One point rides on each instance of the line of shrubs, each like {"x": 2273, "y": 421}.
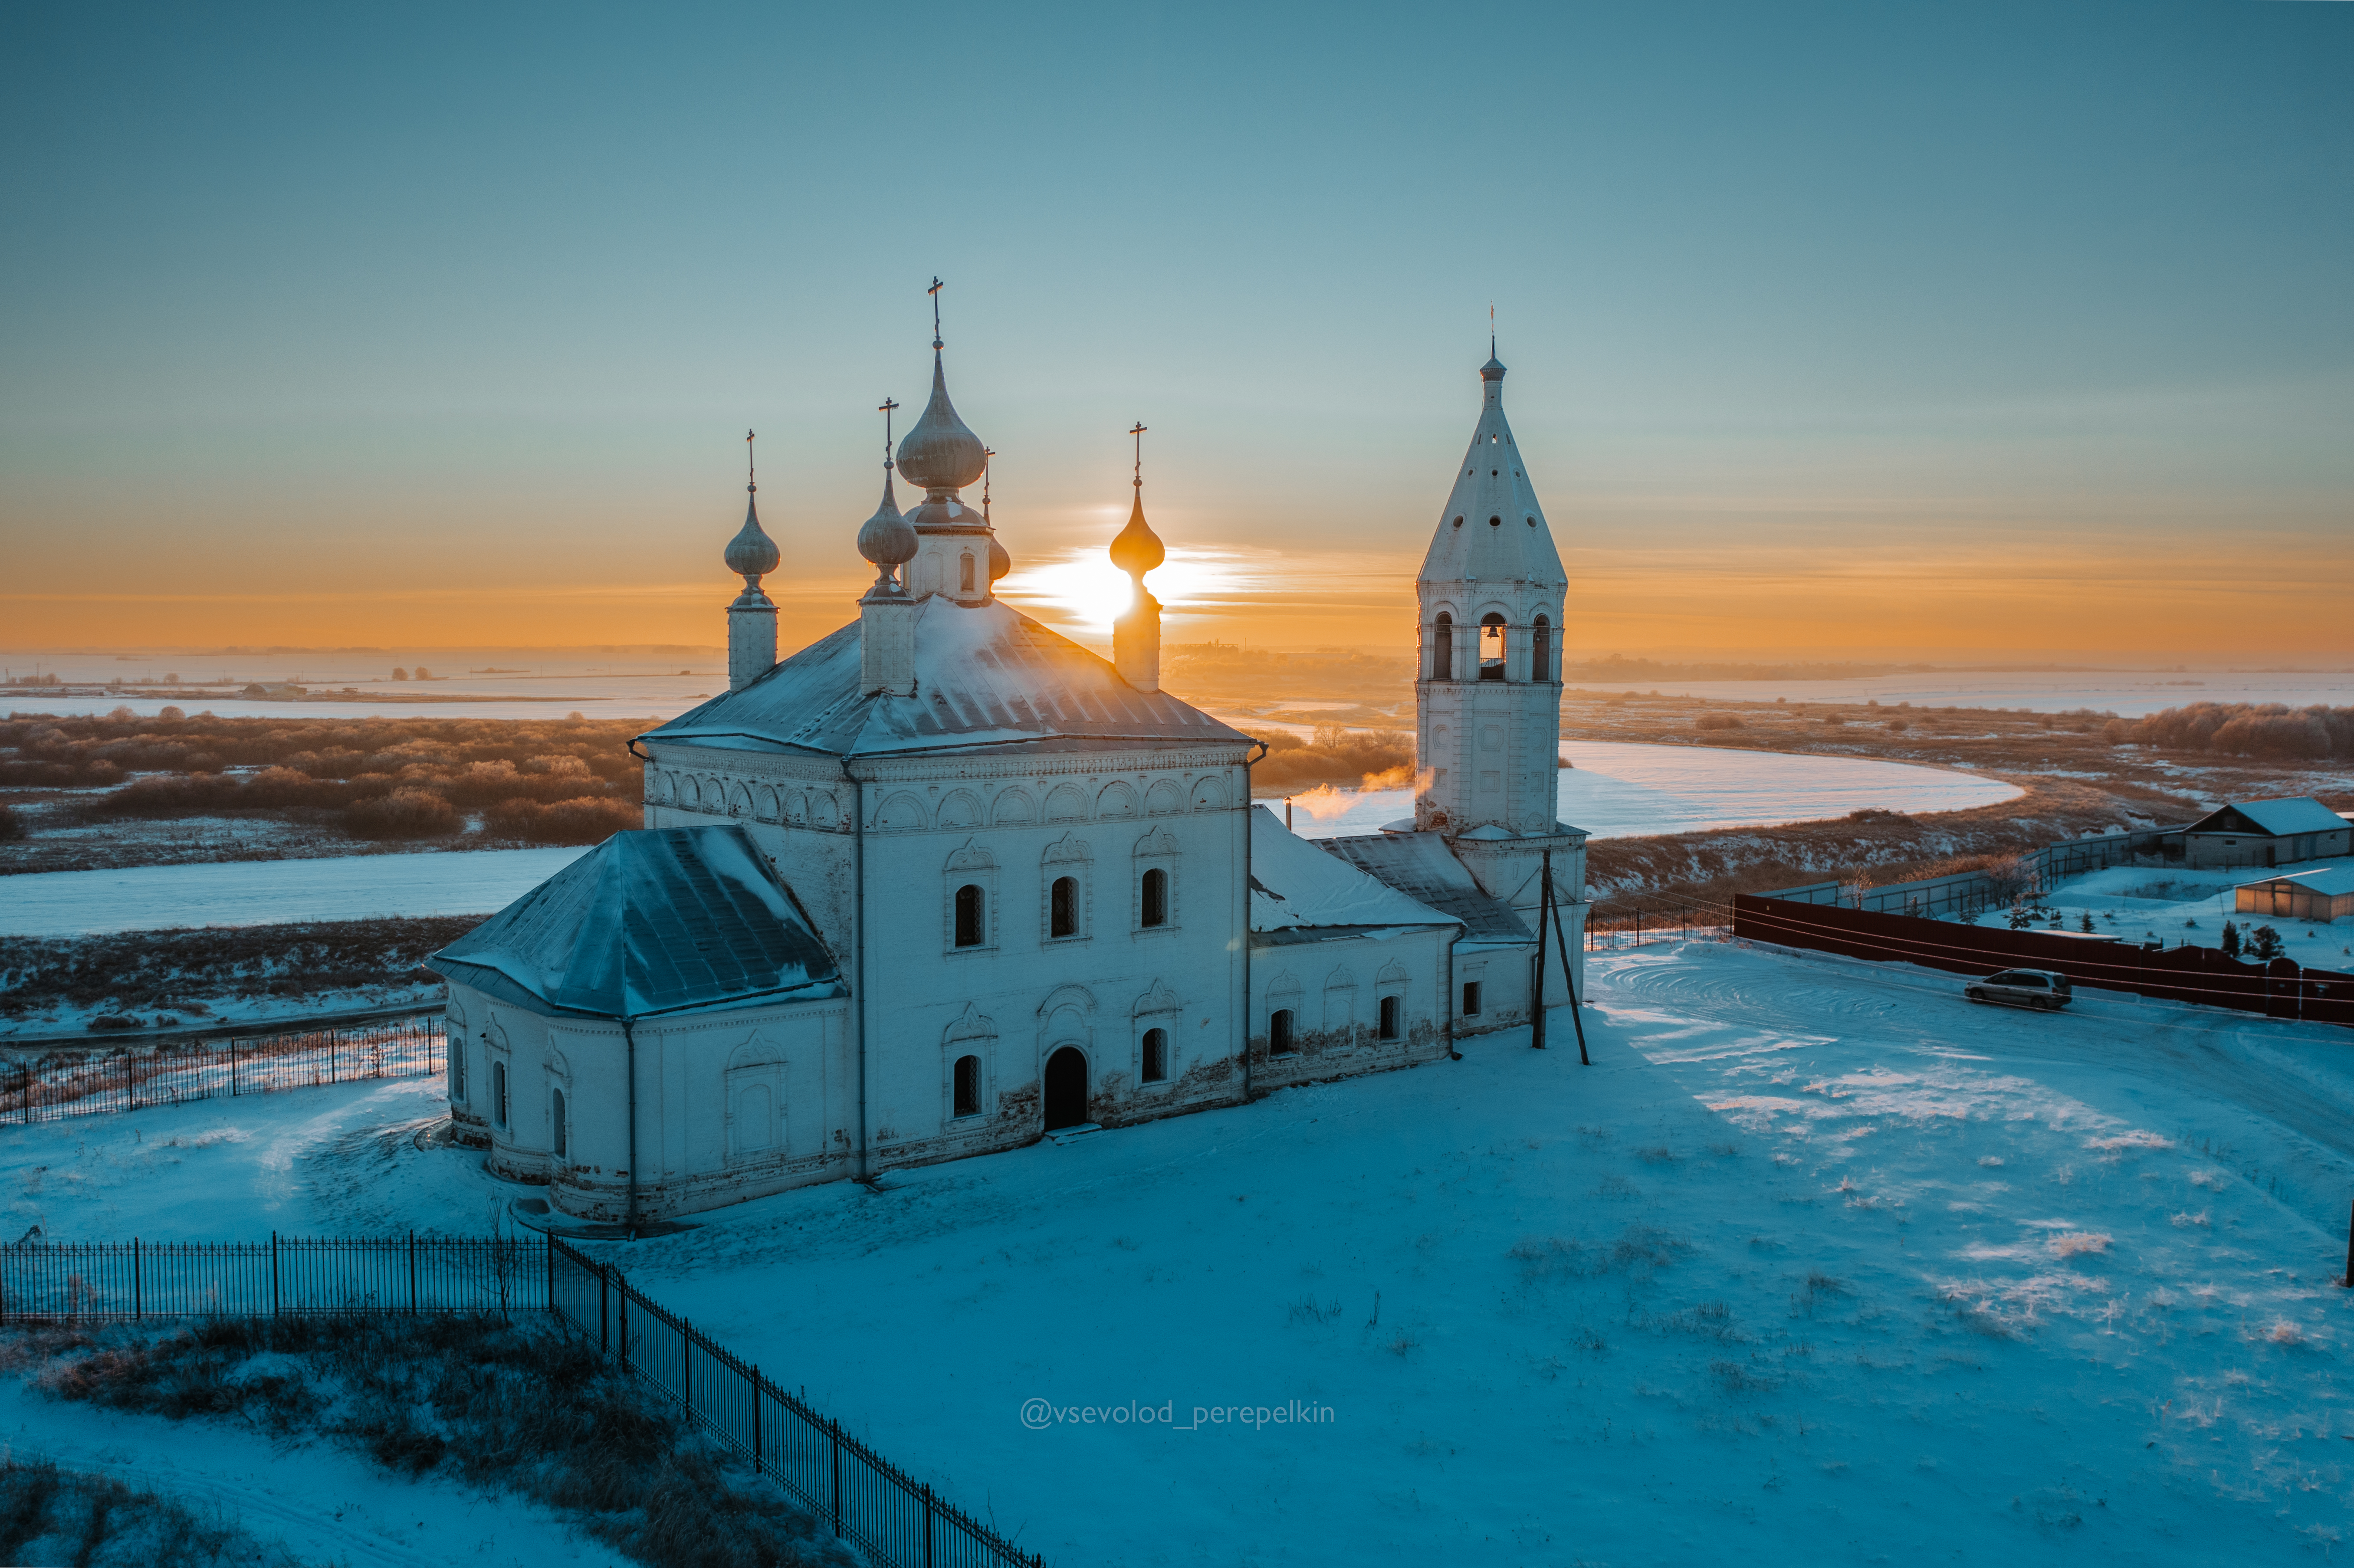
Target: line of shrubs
{"x": 1379, "y": 759}
{"x": 2268, "y": 730}
{"x": 39, "y": 750}
{"x": 560, "y": 782}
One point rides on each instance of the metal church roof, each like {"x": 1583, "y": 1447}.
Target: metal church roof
{"x": 1421, "y": 866}
{"x": 651, "y": 921}
{"x": 985, "y": 675}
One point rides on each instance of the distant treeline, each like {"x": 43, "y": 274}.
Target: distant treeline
{"x": 546, "y": 781}
{"x": 2269, "y": 730}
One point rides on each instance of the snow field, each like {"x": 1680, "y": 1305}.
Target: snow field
{"x": 325, "y": 1504}
{"x": 1818, "y": 1264}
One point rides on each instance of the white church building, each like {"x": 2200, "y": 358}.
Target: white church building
{"x": 944, "y": 881}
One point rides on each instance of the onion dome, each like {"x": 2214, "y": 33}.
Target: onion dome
{"x": 885, "y": 539}
{"x": 1000, "y": 563}
{"x": 751, "y": 552}
{"x": 1135, "y": 550}
{"x": 939, "y": 453}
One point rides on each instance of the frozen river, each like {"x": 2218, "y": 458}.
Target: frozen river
{"x": 1615, "y": 792}
{"x": 267, "y": 892}
{"x": 1620, "y": 790}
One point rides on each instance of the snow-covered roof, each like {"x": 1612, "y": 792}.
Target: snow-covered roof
{"x": 1295, "y": 885}
{"x": 1422, "y": 867}
{"x": 2332, "y": 880}
{"x": 985, "y": 675}
{"x": 652, "y": 920}
{"x": 2299, "y": 814}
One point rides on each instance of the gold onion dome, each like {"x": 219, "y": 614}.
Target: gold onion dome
{"x": 887, "y": 539}
{"x": 939, "y": 453}
{"x": 751, "y": 553}
{"x": 1136, "y": 549}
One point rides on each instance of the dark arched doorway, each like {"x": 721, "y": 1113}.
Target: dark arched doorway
{"x": 1066, "y": 1089}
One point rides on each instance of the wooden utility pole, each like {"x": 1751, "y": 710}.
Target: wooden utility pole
{"x": 1545, "y": 908}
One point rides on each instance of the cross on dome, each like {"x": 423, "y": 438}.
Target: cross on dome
{"x": 1137, "y": 549}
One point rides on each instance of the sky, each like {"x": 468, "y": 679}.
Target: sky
{"x": 1931, "y": 330}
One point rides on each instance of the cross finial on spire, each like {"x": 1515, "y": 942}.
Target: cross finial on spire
{"x": 751, "y": 474}
{"x": 885, "y": 409}
{"x": 986, "y": 454}
{"x": 1492, "y": 329}
{"x": 935, "y": 291}
{"x": 1138, "y": 433}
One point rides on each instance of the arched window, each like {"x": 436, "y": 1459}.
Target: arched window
{"x": 1541, "y": 651}
{"x": 1155, "y": 911}
{"x": 968, "y": 1085}
{"x": 1442, "y": 645}
{"x": 556, "y": 1122}
{"x": 1156, "y": 1055}
{"x": 1389, "y": 1020}
{"x": 458, "y": 1069}
{"x": 1279, "y": 1041}
{"x": 499, "y": 1093}
{"x": 1491, "y": 647}
{"x": 964, "y": 575}
{"x": 1062, "y": 915}
{"x": 972, "y": 928}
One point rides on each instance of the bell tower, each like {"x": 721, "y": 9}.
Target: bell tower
{"x": 1488, "y": 692}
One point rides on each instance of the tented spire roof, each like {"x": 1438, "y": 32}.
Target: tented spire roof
{"x": 1492, "y": 529}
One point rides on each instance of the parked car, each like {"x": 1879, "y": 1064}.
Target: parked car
{"x": 2023, "y": 988}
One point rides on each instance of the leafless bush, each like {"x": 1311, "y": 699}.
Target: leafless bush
{"x": 50, "y": 1515}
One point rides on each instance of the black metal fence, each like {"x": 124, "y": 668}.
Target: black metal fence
{"x": 178, "y": 1072}
{"x": 866, "y": 1499}
{"x": 97, "y": 1282}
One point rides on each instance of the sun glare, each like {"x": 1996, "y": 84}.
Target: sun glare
{"x": 1084, "y": 587}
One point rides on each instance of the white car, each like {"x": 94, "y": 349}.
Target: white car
{"x": 2023, "y": 988}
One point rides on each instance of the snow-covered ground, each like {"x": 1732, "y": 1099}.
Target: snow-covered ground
{"x": 264, "y": 892}
{"x": 1817, "y": 1264}
{"x": 2178, "y": 906}
{"x": 325, "y": 1504}
{"x": 1625, "y": 789}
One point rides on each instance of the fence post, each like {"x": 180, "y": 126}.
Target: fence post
{"x": 836, "y": 1427}
{"x": 756, "y": 1420}
{"x": 686, "y": 1364}
{"x": 604, "y": 1336}
{"x": 549, "y": 1236}
{"x": 927, "y": 1524}
{"x": 331, "y": 1055}
{"x": 622, "y": 1300}
{"x": 273, "y": 1273}
{"x": 412, "y": 1273}
{"x": 138, "y": 1301}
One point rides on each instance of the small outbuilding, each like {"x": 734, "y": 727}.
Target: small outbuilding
{"x": 2266, "y": 833}
{"x": 2320, "y": 897}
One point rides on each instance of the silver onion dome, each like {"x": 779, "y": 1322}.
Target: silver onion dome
{"x": 751, "y": 553}
{"x": 887, "y": 539}
{"x": 938, "y": 452}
